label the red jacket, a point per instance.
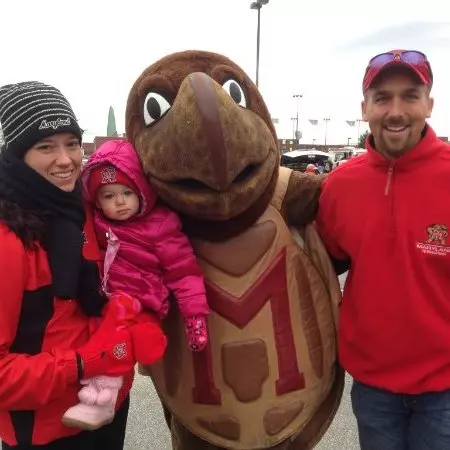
(38, 335)
(392, 219)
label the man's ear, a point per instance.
(364, 110)
(430, 106)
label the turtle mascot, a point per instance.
(269, 377)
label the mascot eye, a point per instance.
(155, 106)
(235, 91)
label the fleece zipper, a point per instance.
(389, 192)
(389, 178)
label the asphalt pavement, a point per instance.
(147, 429)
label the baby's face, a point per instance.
(118, 202)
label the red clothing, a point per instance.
(392, 219)
(38, 335)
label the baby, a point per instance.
(146, 257)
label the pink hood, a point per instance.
(122, 155)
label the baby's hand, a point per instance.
(197, 332)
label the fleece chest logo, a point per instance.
(436, 240)
(437, 234)
(55, 124)
(120, 351)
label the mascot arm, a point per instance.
(301, 202)
(301, 208)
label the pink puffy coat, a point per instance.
(154, 257)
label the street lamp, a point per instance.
(293, 127)
(326, 126)
(258, 5)
(359, 124)
(298, 97)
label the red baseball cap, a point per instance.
(413, 60)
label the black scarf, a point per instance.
(64, 216)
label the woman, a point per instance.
(49, 280)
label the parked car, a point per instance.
(299, 159)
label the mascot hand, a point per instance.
(197, 333)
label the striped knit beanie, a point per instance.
(31, 111)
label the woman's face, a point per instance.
(58, 159)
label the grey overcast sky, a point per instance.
(93, 51)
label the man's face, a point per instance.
(396, 108)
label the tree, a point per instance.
(111, 130)
(362, 139)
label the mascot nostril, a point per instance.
(246, 173)
(269, 377)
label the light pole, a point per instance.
(326, 126)
(258, 5)
(359, 124)
(293, 127)
(298, 97)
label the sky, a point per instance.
(93, 52)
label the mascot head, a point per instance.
(205, 139)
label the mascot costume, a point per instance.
(269, 377)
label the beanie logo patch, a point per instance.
(55, 124)
(109, 175)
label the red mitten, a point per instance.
(110, 351)
(149, 341)
(197, 332)
(121, 310)
(107, 354)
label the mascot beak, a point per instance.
(208, 99)
(205, 92)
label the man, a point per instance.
(394, 336)
(311, 168)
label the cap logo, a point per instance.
(55, 124)
(397, 57)
(109, 175)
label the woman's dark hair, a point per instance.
(25, 225)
